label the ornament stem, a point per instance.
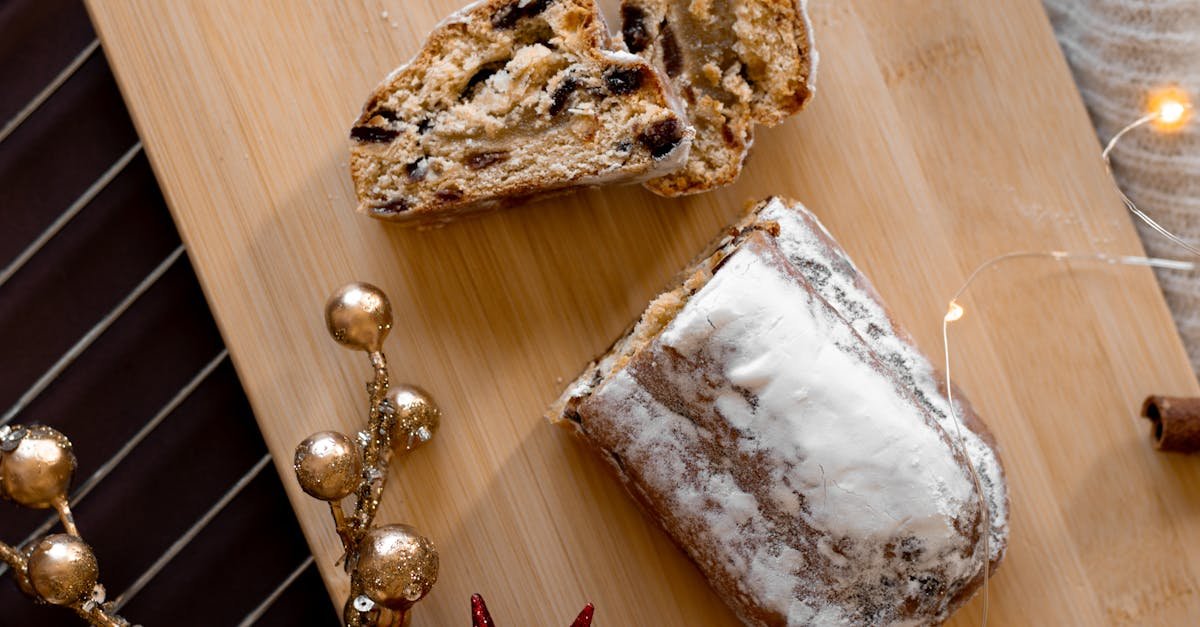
(63, 508)
(396, 618)
(376, 453)
(339, 520)
(98, 615)
(16, 564)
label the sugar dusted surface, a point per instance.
(816, 401)
(834, 276)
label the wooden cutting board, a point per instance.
(943, 133)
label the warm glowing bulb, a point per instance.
(1171, 112)
(954, 313)
(1170, 107)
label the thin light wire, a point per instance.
(262, 608)
(82, 201)
(1128, 202)
(90, 484)
(49, 90)
(86, 341)
(184, 540)
(955, 312)
(983, 504)
(1112, 143)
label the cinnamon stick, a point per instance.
(1175, 422)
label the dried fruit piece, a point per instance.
(622, 81)
(517, 10)
(480, 160)
(374, 134)
(662, 137)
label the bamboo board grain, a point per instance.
(943, 133)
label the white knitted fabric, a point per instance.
(1119, 50)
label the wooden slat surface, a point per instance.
(943, 133)
(120, 384)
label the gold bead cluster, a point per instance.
(391, 567)
(36, 468)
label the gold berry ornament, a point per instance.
(38, 470)
(417, 417)
(328, 466)
(359, 316)
(36, 467)
(391, 567)
(396, 566)
(63, 569)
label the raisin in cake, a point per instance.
(735, 63)
(788, 435)
(510, 99)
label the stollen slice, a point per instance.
(508, 100)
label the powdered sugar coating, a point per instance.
(812, 399)
(835, 277)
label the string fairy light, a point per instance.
(1168, 110)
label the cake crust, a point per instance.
(857, 507)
